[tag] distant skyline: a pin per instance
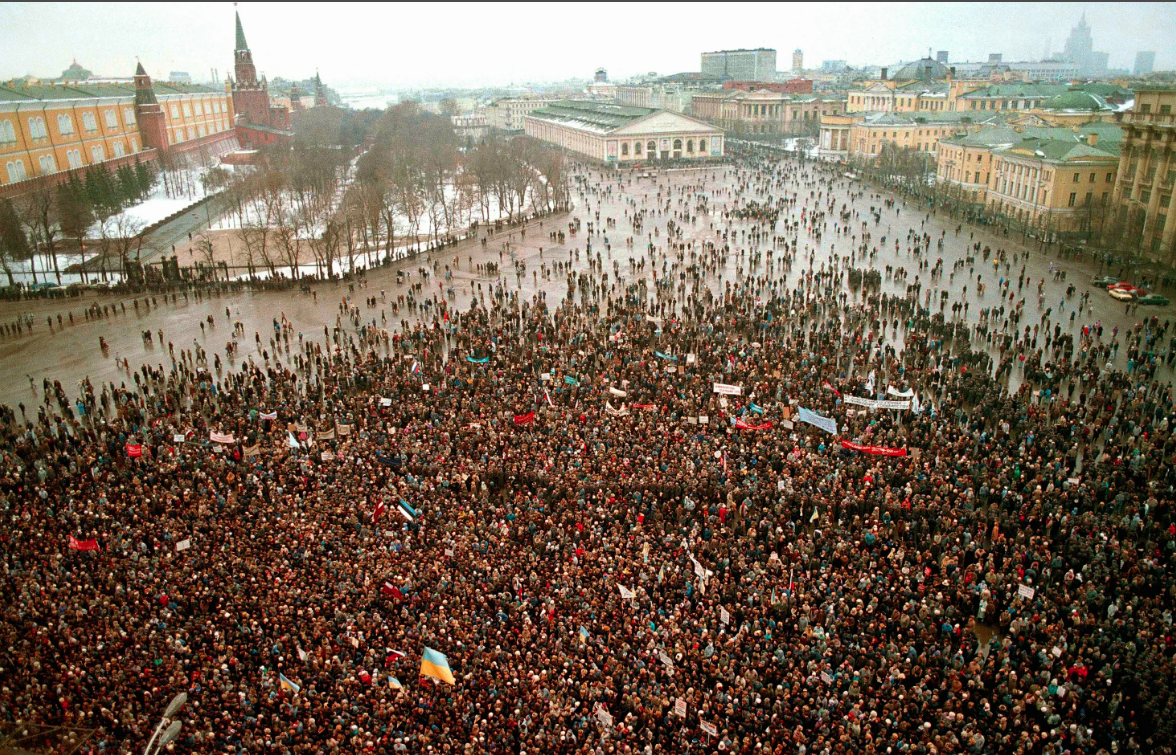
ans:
(408, 45)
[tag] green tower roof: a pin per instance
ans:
(241, 43)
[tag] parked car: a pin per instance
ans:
(1104, 281)
(1121, 284)
(1122, 294)
(1155, 299)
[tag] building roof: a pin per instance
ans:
(1076, 100)
(926, 69)
(929, 118)
(241, 43)
(1002, 136)
(81, 91)
(1063, 150)
(607, 118)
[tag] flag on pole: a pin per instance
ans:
(406, 511)
(288, 685)
(416, 367)
(436, 665)
(394, 683)
(525, 419)
(379, 510)
(626, 593)
(302, 655)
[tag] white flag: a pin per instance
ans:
(626, 593)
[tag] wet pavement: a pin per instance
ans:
(71, 353)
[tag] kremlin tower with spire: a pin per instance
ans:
(259, 123)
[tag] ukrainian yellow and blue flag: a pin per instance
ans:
(434, 664)
(394, 683)
(288, 685)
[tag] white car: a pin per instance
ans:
(1122, 295)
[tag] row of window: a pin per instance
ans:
(214, 108)
(192, 132)
(65, 125)
(651, 147)
(47, 163)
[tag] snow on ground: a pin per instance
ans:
(158, 205)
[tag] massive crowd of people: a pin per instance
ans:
(608, 514)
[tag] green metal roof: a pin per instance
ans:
(241, 43)
(1076, 100)
(39, 92)
(603, 115)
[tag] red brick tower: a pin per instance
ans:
(250, 96)
(320, 93)
(148, 113)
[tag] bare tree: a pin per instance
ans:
(38, 213)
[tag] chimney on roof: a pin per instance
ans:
(883, 76)
(1092, 139)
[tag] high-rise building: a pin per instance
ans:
(1145, 62)
(941, 57)
(743, 65)
(601, 76)
(1080, 51)
(797, 61)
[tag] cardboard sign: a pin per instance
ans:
(690, 359)
(708, 729)
(666, 660)
(183, 545)
(179, 438)
(724, 616)
(680, 708)
(728, 390)
(1025, 591)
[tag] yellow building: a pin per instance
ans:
(1147, 170)
(47, 128)
(765, 112)
(865, 135)
(966, 163)
(1053, 184)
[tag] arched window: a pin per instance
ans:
(677, 144)
(48, 164)
(65, 124)
(636, 148)
(651, 147)
(89, 122)
(97, 154)
(119, 150)
(624, 149)
(111, 119)
(690, 145)
(129, 116)
(7, 132)
(702, 145)
(16, 171)
(37, 128)
(75, 158)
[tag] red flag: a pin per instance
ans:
(525, 419)
(644, 406)
(134, 450)
(741, 425)
(835, 391)
(876, 450)
(391, 592)
(83, 545)
(379, 510)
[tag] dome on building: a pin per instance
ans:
(75, 72)
(926, 69)
(1076, 99)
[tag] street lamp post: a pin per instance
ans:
(173, 729)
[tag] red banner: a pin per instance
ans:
(835, 391)
(525, 419)
(741, 425)
(82, 545)
(644, 406)
(134, 450)
(876, 450)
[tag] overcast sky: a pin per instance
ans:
(411, 45)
